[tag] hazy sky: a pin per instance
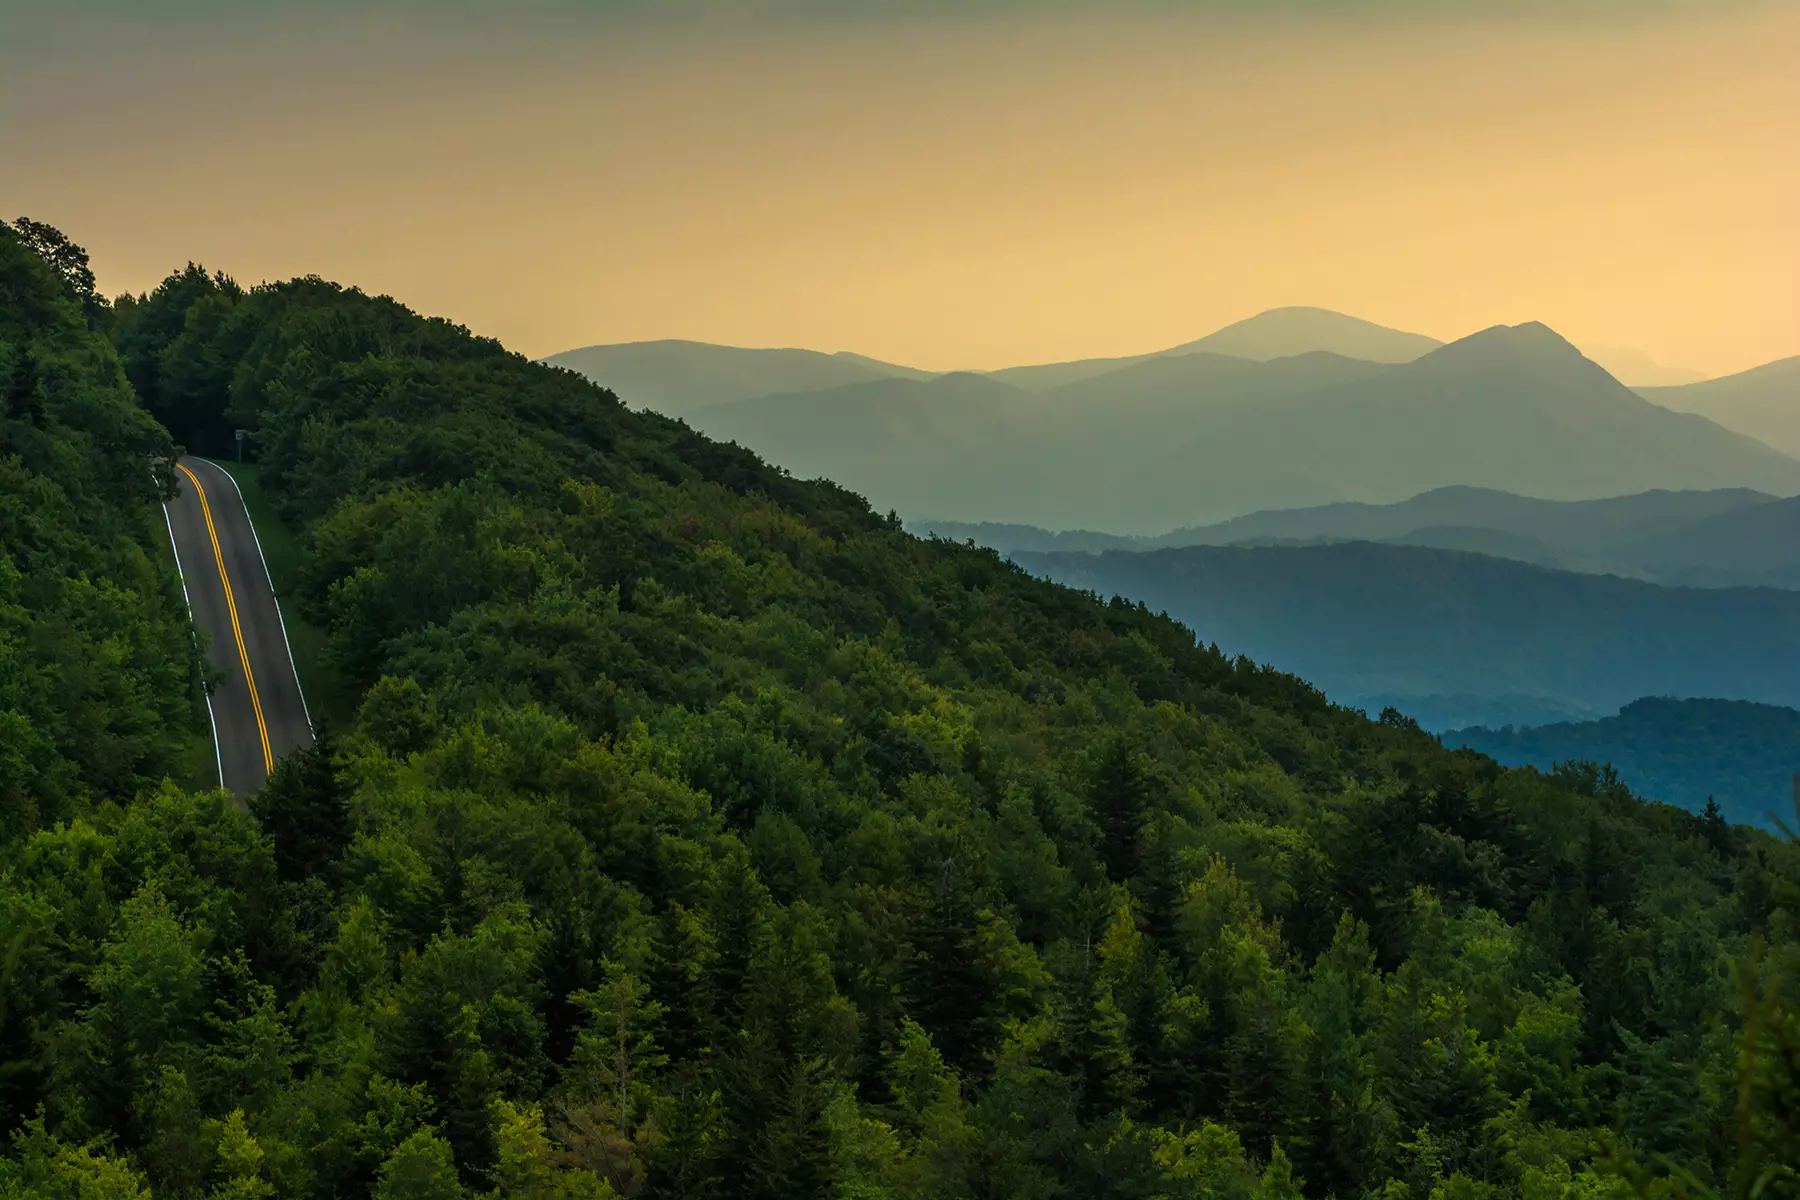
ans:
(1035, 182)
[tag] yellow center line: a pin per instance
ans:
(262, 727)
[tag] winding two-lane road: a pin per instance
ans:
(258, 713)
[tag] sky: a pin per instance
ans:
(946, 185)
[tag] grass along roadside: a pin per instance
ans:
(199, 765)
(326, 694)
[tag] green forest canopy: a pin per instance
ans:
(700, 833)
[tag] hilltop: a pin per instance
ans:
(676, 377)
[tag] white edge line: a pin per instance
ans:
(275, 599)
(193, 631)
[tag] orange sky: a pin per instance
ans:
(946, 192)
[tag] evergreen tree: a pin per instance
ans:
(304, 808)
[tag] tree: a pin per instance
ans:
(65, 258)
(420, 1168)
(304, 808)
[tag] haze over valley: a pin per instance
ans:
(1292, 408)
(1493, 531)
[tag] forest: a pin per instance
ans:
(1739, 757)
(696, 832)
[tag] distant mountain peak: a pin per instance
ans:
(1527, 341)
(1301, 329)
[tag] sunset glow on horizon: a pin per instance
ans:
(939, 191)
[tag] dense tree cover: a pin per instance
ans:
(96, 661)
(1737, 756)
(702, 834)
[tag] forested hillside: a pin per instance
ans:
(1738, 757)
(702, 834)
(97, 669)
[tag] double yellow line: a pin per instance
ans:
(262, 726)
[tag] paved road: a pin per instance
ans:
(258, 713)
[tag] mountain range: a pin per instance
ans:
(1720, 538)
(1763, 402)
(1455, 638)
(1200, 437)
(1739, 755)
(675, 377)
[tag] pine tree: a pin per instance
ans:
(1121, 793)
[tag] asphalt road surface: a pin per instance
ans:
(258, 713)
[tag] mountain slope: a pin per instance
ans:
(1606, 526)
(1763, 402)
(1281, 332)
(675, 377)
(1516, 408)
(1194, 438)
(1759, 544)
(1740, 755)
(1635, 369)
(1376, 620)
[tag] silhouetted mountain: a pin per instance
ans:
(1729, 537)
(1043, 377)
(1278, 333)
(1738, 754)
(1118, 450)
(1365, 620)
(1763, 402)
(1283, 332)
(1493, 542)
(1755, 545)
(894, 437)
(1199, 437)
(675, 377)
(1515, 408)
(1601, 527)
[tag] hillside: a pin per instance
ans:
(700, 833)
(1283, 332)
(1366, 620)
(1604, 527)
(1729, 537)
(98, 674)
(1200, 438)
(676, 377)
(1278, 333)
(1759, 544)
(1762, 403)
(1741, 756)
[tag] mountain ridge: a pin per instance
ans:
(1762, 402)
(1195, 439)
(1735, 753)
(1371, 619)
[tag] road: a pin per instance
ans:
(258, 713)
